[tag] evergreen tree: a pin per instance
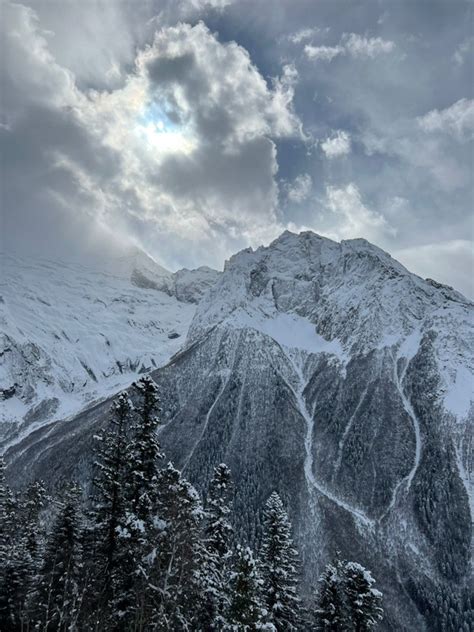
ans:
(347, 600)
(109, 509)
(246, 612)
(177, 562)
(17, 577)
(144, 452)
(331, 611)
(279, 563)
(8, 509)
(218, 536)
(56, 602)
(10, 584)
(140, 528)
(23, 555)
(32, 504)
(364, 601)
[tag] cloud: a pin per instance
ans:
(186, 162)
(300, 189)
(351, 217)
(30, 73)
(443, 261)
(181, 156)
(324, 53)
(366, 47)
(432, 149)
(337, 145)
(304, 34)
(463, 51)
(456, 120)
(352, 44)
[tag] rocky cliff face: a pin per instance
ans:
(330, 373)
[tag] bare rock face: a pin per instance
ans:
(331, 374)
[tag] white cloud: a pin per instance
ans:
(179, 157)
(457, 120)
(425, 146)
(351, 217)
(324, 53)
(338, 145)
(443, 261)
(352, 44)
(36, 76)
(300, 189)
(463, 51)
(304, 34)
(199, 5)
(359, 46)
(195, 127)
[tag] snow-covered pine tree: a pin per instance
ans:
(347, 599)
(33, 502)
(8, 563)
(57, 600)
(331, 611)
(363, 600)
(246, 612)
(218, 536)
(16, 579)
(140, 533)
(7, 515)
(279, 567)
(144, 452)
(108, 515)
(23, 558)
(177, 561)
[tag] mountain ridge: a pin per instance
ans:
(331, 374)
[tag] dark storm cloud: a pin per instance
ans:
(352, 119)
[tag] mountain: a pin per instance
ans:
(70, 334)
(328, 372)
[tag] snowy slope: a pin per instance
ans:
(330, 373)
(352, 297)
(71, 334)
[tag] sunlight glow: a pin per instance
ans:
(160, 140)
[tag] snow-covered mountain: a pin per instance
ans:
(328, 372)
(70, 334)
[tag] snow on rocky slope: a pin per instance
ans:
(350, 297)
(70, 334)
(330, 373)
(316, 296)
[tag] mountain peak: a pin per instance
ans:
(352, 290)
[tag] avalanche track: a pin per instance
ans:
(312, 483)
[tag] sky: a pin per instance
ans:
(195, 128)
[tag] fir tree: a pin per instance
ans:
(331, 611)
(218, 538)
(22, 558)
(32, 504)
(10, 580)
(17, 578)
(347, 600)
(144, 452)
(279, 563)
(177, 563)
(139, 532)
(109, 509)
(246, 612)
(364, 601)
(57, 600)
(8, 509)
